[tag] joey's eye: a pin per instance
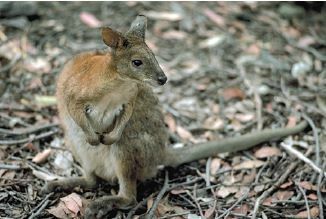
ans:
(137, 63)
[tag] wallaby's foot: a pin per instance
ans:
(101, 207)
(69, 184)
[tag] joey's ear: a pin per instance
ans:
(138, 27)
(112, 38)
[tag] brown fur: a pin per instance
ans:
(106, 81)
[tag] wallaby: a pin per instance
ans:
(103, 93)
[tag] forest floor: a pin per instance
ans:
(233, 68)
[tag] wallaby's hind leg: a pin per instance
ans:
(126, 197)
(70, 183)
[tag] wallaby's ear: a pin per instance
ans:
(138, 27)
(111, 37)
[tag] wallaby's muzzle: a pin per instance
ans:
(161, 80)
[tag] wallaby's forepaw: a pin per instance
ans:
(93, 139)
(110, 138)
(98, 209)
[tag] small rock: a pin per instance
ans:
(300, 69)
(63, 160)
(263, 89)
(289, 11)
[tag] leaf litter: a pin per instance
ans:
(198, 45)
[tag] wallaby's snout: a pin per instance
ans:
(162, 79)
(132, 57)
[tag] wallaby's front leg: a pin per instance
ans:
(126, 197)
(68, 184)
(78, 112)
(119, 125)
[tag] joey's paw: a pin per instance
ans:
(110, 138)
(98, 209)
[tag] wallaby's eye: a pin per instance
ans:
(137, 63)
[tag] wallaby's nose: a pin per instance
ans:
(162, 79)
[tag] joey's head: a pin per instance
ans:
(132, 57)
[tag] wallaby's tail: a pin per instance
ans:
(177, 156)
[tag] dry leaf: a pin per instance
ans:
(243, 209)
(269, 201)
(35, 83)
(90, 20)
(212, 42)
(244, 117)
(209, 214)
(190, 66)
(233, 93)
(44, 176)
(173, 34)
(37, 65)
(43, 101)
(73, 202)
(292, 121)
(249, 164)
(267, 152)
(170, 121)
(217, 19)
(69, 207)
(201, 87)
(42, 156)
(308, 186)
(286, 185)
(163, 15)
(59, 211)
(213, 123)
(249, 178)
(314, 213)
(149, 203)
(184, 133)
(8, 175)
(215, 165)
(226, 191)
(178, 191)
(312, 196)
(3, 154)
(284, 195)
(163, 207)
(306, 41)
(253, 49)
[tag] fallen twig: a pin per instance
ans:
(305, 199)
(11, 64)
(28, 130)
(314, 129)
(227, 212)
(298, 154)
(208, 171)
(281, 180)
(257, 98)
(133, 210)
(25, 140)
(151, 213)
(40, 207)
(194, 197)
(320, 198)
(10, 167)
